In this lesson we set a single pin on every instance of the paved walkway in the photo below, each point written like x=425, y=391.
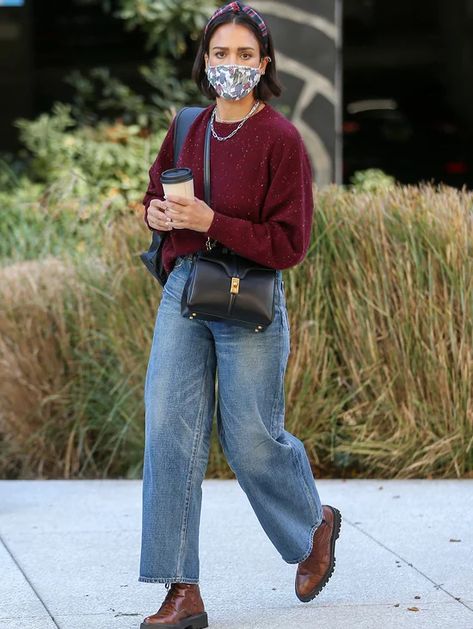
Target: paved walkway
x=69, y=555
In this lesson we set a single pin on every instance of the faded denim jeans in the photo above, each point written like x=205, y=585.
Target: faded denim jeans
x=270, y=463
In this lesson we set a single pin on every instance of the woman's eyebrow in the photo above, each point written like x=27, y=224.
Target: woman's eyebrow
x=240, y=48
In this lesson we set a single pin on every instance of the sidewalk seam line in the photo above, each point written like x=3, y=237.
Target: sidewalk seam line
x=426, y=576
x=25, y=576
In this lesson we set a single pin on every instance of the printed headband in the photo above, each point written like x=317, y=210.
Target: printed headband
x=236, y=7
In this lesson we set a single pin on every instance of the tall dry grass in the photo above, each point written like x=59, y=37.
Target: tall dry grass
x=381, y=368
x=379, y=380
x=37, y=364
x=70, y=379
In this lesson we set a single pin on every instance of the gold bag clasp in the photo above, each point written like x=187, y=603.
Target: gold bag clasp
x=235, y=285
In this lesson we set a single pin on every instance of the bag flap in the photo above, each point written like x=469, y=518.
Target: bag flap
x=234, y=266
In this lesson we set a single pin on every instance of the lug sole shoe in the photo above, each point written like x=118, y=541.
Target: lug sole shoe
x=182, y=608
x=314, y=572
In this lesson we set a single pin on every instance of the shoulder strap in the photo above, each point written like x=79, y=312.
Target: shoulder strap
x=153, y=258
x=184, y=118
x=207, y=191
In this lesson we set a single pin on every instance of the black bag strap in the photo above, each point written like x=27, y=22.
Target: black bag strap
x=152, y=257
x=207, y=191
x=184, y=118
x=211, y=242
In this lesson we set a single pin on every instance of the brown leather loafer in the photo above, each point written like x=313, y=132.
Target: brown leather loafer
x=182, y=608
x=314, y=572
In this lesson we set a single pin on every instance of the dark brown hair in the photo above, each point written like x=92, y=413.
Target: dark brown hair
x=268, y=85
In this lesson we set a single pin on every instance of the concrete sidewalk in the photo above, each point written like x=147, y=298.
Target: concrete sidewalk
x=70, y=553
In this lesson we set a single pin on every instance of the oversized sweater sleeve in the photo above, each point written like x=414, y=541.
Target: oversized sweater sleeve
x=282, y=238
x=163, y=161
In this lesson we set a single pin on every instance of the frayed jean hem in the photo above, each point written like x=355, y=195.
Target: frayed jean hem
x=167, y=580
x=311, y=541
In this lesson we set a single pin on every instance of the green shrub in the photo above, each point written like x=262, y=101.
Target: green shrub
x=371, y=179
x=169, y=24
x=170, y=29
x=78, y=181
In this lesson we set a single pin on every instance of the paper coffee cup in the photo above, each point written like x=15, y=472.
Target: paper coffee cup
x=178, y=181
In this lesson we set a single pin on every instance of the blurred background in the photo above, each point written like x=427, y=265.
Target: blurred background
x=402, y=74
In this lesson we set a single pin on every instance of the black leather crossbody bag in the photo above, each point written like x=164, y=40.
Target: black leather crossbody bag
x=223, y=285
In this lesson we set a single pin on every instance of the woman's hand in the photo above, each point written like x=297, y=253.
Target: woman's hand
x=181, y=213
x=156, y=217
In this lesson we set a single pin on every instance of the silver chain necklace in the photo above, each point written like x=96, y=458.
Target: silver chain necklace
x=212, y=118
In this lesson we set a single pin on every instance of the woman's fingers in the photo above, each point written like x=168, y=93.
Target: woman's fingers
x=157, y=218
x=158, y=203
x=161, y=215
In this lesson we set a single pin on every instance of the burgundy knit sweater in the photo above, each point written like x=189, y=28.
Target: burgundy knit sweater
x=261, y=182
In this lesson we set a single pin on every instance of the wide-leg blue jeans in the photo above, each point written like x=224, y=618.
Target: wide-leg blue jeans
x=187, y=359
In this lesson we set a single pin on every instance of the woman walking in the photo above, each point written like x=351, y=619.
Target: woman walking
x=262, y=207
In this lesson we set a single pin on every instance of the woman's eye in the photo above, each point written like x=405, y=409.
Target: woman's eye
x=246, y=55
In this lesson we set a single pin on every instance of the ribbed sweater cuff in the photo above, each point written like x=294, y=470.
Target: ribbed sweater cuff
x=220, y=227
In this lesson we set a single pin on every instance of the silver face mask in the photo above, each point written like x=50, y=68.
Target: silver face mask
x=232, y=81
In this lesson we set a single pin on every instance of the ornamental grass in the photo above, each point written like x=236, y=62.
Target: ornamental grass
x=379, y=379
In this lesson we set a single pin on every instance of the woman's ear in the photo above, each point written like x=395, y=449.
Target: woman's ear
x=265, y=61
